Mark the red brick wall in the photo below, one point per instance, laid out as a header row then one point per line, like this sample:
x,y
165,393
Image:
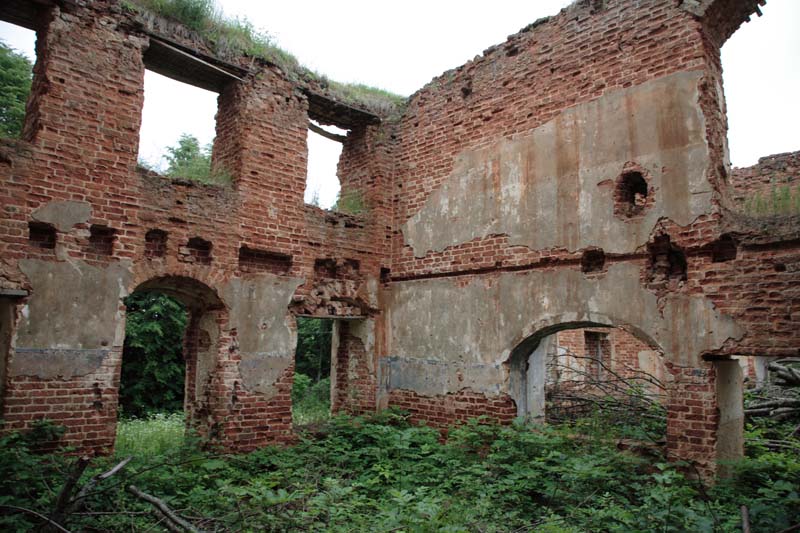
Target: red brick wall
x,y
771,172
356,382
442,411
81,145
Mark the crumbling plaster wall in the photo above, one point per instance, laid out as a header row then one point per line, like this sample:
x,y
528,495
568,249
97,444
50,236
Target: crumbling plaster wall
x,y
507,168
482,199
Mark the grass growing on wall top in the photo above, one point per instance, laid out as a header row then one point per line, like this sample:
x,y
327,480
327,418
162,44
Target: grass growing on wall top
x,y
230,37
779,200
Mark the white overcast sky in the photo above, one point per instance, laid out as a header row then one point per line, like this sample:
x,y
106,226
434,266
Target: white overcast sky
x,y
403,48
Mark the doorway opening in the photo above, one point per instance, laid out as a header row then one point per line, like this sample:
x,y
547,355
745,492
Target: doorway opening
x,y
597,378
311,392
170,352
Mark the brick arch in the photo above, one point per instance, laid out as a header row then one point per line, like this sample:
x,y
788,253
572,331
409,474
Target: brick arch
x,y
524,378
529,339
206,344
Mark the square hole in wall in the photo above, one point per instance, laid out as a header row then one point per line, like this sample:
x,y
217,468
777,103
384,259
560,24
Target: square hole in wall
x,y
42,235
101,239
198,251
155,243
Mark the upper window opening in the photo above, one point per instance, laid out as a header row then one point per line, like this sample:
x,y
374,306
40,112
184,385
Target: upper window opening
x,y
324,151
177,131
761,84
17,57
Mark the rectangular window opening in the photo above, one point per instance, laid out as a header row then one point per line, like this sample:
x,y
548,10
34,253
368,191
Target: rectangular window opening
x,y
17,57
178,130
322,180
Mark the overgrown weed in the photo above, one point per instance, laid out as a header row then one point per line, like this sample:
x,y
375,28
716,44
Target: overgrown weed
x,y
381,473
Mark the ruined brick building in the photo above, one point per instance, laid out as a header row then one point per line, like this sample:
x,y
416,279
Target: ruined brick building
x,y
574,176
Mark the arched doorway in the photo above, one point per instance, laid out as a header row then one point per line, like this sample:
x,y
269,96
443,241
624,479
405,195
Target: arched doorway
x,y
198,314
576,371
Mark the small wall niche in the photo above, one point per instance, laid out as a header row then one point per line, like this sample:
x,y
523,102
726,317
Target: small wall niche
x,y
155,244
42,235
101,239
254,260
198,251
667,264
593,260
724,249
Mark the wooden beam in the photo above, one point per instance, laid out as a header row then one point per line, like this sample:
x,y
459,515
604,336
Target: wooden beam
x,y
325,133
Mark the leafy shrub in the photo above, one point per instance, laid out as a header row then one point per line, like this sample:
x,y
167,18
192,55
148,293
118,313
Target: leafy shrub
x,y
188,160
311,402
380,473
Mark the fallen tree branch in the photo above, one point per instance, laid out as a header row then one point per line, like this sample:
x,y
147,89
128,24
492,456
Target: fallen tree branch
x,y
40,516
61,509
79,501
173,521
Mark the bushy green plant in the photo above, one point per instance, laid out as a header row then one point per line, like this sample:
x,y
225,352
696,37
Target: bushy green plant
x,y
188,160
381,473
351,202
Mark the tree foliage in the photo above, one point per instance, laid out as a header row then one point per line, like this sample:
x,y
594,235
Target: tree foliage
x,y
188,160
15,86
313,354
153,367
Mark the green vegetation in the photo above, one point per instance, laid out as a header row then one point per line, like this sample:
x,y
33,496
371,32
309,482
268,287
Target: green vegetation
x,y
187,160
15,86
311,397
152,363
351,203
780,200
382,474
155,435
311,401
232,37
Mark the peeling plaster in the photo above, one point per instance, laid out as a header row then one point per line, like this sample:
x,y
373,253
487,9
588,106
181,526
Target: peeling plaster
x,y
443,330
265,328
63,215
545,189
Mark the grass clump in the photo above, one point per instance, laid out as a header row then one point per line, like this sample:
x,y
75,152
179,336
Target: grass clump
x,y
779,200
311,402
157,434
